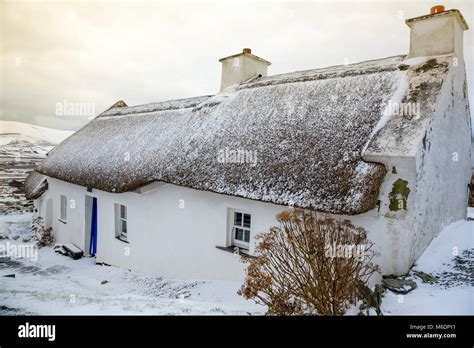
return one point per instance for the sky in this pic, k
(63, 62)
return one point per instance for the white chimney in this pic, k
(241, 67)
(438, 33)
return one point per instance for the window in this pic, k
(63, 207)
(121, 222)
(241, 230)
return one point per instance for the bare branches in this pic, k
(309, 265)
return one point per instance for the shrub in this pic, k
(44, 236)
(309, 265)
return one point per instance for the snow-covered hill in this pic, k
(24, 131)
(22, 146)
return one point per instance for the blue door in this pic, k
(93, 245)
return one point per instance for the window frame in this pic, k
(121, 221)
(63, 208)
(240, 243)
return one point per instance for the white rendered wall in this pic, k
(444, 165)
(180, 243)
(173, 241)
(72, 231)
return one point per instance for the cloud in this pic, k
(99, 52)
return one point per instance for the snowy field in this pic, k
(56, 284)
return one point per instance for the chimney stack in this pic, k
(437, 33)
(241, 67)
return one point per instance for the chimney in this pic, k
(437, 33)
(241, 67)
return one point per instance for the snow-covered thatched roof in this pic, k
(303, 133)
(35, 185)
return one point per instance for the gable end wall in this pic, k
(443, 163)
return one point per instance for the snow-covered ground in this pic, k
(450, 258)
(470, 213)
(56, 284)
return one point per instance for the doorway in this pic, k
(91, 225)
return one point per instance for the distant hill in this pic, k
(26, 131)
(22, 146)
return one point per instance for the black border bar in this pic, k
(222, 330)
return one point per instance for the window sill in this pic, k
(231, 250)
(122, 240)
(63, 221)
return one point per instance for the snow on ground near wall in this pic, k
(56, 284)
(470, 212)
(449, 257)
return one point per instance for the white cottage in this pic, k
(171, 188)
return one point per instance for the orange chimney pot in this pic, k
(436, 9)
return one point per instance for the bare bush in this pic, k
(309, 265)
(44, 236)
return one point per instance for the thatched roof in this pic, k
(35, 185)
(307, 130)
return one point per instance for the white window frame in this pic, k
(119, 222)
(63, 208)
(241, 243)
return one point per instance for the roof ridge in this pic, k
(172, 104)
(354, 69)
(310, 74)
(344, 65)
